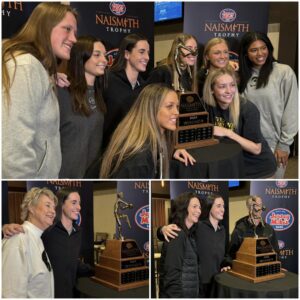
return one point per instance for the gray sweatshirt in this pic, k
(30, 125)
(278, 105)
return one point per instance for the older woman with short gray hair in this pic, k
(26, 269)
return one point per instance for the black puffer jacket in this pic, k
(179, 276)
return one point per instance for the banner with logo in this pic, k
(203, 189)
(281, 201)
(112, 21)
(85, 220)
(228, 20)
(14, 16)
(137, 194)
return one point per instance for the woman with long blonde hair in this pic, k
(141, 146)
(30, 113)
(215, 56)
(179, 71)
(238, 120)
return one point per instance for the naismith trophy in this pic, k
(122, 265)
(193, 127)
(256, 261)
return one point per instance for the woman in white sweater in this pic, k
(26, 269)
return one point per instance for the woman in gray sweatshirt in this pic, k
(272, 87)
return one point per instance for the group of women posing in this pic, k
(131, 119)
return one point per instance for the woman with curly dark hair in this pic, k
(179, 276)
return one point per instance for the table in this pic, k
(224, 160)
(88, 288)
(229, 286)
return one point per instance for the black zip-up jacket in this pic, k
(119, 98)
(211, 250)
(162, 74)
(63, 251)
(179, 276)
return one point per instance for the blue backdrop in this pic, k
(281, 200)
(228, 20)
(137, 193)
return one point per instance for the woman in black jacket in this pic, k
(179, 276)
(142, 144)
(210, 238)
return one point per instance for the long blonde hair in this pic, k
(211, 43)
(34, 38)
(139, 130)
(208, 96)
(173, 60)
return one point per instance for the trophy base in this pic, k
(122, 266)
(122, 287)
(196, 144)
(257, 279)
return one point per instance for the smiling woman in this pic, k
(27, 272)
(30, 113)
(238, 120)
(179, 70)
(179, 260)
(82, 109)
(124, 81)
(142, 145)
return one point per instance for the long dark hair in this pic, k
(128, 43)
(62, 195)
(245, 65)
(80, 53)
(207, 205)
(179, 209)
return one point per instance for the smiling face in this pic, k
(187, 58)
(43, 213)
(218, 56)
(194, 212)
(71, 207)
(258, 53)
(168, 112)
(63, 36)
(217, 209)
(138, 57)
(224, 89)
(96, 64)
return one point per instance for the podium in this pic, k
(256, 261)
(193, 127)
(122, 266)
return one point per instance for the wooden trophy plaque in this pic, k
(193, 127)
(122, 266)
(256, 261)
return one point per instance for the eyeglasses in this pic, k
(46, 261)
